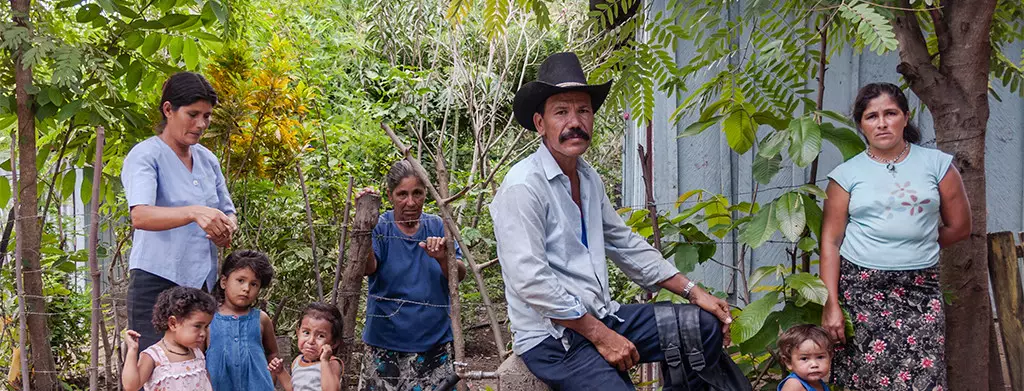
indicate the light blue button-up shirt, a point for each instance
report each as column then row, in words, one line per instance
column 154, row 175
column 549, row 273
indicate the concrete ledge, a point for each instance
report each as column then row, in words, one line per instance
column 514, row 376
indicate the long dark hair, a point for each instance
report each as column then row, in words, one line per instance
column 240, row 259
column 871, row 91
column 183, row 89
column 330, row 313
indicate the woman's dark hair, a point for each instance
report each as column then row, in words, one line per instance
column 240, row 259
column 183, row 89
column 871, row 91
column 400, row 170
column 330, row 313
column 796, row 335
column 180, row 302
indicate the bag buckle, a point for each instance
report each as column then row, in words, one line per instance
column 696, row 360
column 673, row 356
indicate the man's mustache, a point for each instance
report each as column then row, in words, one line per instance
column 573, row 133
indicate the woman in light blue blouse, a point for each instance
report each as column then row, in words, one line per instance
column 888, row 211
column 179, row 203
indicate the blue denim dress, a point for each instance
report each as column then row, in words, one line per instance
column 236, row 359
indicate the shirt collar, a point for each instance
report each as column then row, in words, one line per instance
column 551, row 168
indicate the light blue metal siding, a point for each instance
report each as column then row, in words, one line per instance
column 706, row 162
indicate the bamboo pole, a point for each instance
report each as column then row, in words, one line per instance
column 367, row 211
column 342, row 240
column 94, row 268
column 19, row 282
column 312, row 232
column 451, row 227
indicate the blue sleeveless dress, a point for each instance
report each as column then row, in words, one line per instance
column 236, row 359
column 807, row 386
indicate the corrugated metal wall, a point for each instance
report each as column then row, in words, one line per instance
column 706, row 162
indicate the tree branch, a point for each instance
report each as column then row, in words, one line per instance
column 916, row 65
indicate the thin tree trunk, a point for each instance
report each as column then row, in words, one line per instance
column 27, row 225
column 312, row 232
column 455, row 312
column 94, row 266
column 367, row 211
column 18, row 277
column 956, row 93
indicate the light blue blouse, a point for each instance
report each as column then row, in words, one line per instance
column 154, row 175
column 894, row 216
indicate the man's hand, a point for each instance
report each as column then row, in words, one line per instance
column 617, row 350
column 435, row 247
column 717, row 307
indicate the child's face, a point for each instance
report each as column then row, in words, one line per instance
column 314, row 333
column 191, row 330
column 810, row 361
column 241, row 287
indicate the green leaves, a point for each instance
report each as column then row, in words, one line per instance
column 789, row 213
column 809, row 287
column 457, row 10
column 740, row 129
column 764, row 169
column 846, row 140
column 190, row 53
column 873, row 30
column 760, row 228
column 804, row 141
column 753, row 317
column 87, row 13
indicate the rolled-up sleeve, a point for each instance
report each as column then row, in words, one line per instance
column 138, row 176
column 519, row 229
column 641, row 262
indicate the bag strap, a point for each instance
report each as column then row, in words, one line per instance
column 693, row 349
column 668, row 335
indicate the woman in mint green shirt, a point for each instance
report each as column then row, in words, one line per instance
column 889, row 210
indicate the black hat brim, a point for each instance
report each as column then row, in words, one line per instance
column 534, row 93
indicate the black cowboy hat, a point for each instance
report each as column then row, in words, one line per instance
column 560, row 72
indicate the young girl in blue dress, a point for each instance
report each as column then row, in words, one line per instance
column 241, row 336
column 807, row 351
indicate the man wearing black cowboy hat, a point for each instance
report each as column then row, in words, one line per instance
column 554, row 227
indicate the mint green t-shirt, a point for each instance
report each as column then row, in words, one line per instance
column 894, row 217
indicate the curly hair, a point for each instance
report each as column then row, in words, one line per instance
column 330, row 313
column 256, row 261
column 796, row 335
column 180, row 302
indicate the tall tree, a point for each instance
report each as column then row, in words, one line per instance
column 28, row 225
column 953, row 82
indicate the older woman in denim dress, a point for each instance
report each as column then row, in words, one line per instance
column 179, row 203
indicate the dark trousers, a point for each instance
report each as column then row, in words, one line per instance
column 143, row 289
column 583, row 368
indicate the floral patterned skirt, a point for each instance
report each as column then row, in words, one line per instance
column 899, row 330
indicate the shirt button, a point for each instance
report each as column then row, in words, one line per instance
column 236, row 339
column 195, row 182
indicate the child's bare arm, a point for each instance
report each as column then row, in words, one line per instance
column 137, row 370
column 268, row 337
column 279, row 374
column 331, row 369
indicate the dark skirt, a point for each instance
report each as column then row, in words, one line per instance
column 899, row 330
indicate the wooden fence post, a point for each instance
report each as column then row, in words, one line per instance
column 1003, row 256
column 367, row 212
column 94, row 266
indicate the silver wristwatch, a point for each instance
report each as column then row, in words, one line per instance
column 686, row 290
